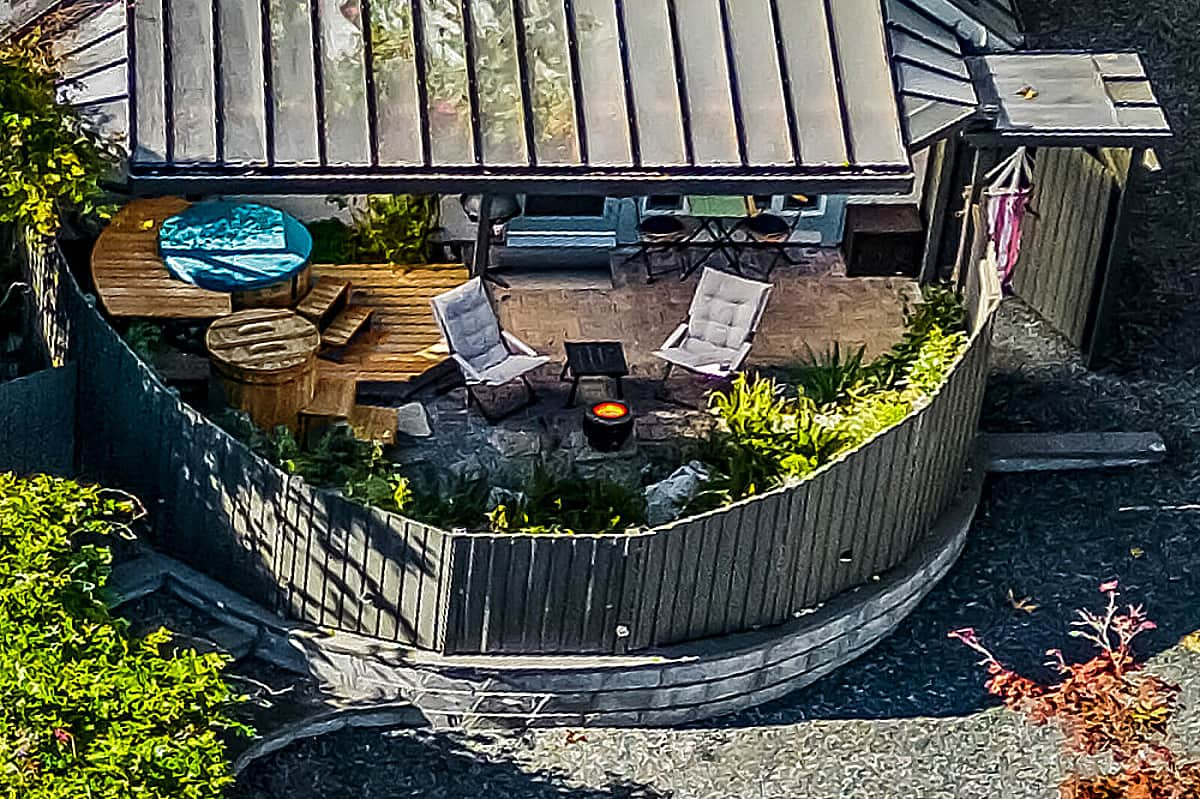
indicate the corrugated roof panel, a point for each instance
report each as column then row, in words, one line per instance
column 709, row 95
column 808, row 50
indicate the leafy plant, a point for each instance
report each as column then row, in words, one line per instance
column 763, row 439
column 940, row 311
column 145, row 339
column 50, row 163
column 390, row 228
column 570, row 504
column 462, row 504
column 1106, row 705
column 338, row 460
column 829, row 376
column 85, row 710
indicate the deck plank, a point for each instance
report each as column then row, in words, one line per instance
column 403, row 341
column 130, row 277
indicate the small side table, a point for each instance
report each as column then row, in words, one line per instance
column 594, row 359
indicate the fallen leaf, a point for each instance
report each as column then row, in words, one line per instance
column 147, row 224
column 1191, row 642
column 1137, row 552
column 1025, row 603
column 1027, row 93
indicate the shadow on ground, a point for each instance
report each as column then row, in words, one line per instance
column 368, row 765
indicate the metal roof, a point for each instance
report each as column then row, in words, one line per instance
column 605, row 96
column 936, row 92
column 1069, row 99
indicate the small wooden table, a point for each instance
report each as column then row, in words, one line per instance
column 594, row 359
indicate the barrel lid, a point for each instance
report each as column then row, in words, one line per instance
column 262, row 340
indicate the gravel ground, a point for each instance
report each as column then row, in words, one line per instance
column 910, row 718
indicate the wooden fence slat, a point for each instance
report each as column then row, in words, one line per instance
column 668, row 589
column 704, row 597
column 646, row 619
column 777, row 556
column 690, row 536
column 800, row 547
column 594, row 633
column 516, row 592
column 725, row 575
column 744, row 524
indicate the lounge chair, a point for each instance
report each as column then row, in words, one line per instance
column 487, row 355
column 723, row 318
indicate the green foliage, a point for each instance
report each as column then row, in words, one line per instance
column 390, row 229
column 940, row 310
column 333, row 242
column 48, row 162
column 570, row 504
column 86, row 711
column 764, row 438
column 338, row 460
column 145, row 339
column 463, row 504
column 827, row 377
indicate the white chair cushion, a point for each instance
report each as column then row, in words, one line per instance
column 726, row 309
column 510, row 369
column 470, row 325
column 700, row 356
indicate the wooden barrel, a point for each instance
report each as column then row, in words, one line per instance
column 284, row 294
column 266, row 361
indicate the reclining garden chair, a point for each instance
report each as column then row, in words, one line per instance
column 487, row 355
column 723, row 318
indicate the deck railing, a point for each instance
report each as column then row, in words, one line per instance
column 317, row 557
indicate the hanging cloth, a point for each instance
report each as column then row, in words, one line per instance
column 1007, row 201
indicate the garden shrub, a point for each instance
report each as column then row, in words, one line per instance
column 827, row 377
column 338, row 460
column 766, row 436
column 391, row 228
column 1105, row 706
column 49, row 163
column 86, row 710
column 551, row 503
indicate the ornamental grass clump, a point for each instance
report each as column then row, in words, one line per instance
column 86, row 710
column 1106, row 706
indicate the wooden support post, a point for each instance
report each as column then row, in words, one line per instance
column 939, row 210
column 481, row 258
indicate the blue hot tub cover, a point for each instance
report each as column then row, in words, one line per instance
column 223, row 246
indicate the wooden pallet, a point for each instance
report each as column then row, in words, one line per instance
column 130, row 277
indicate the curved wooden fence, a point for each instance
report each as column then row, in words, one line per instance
column 318, row 557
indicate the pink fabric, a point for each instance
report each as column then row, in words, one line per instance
column 1006, row 210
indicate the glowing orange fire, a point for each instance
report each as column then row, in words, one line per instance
column 610, row 410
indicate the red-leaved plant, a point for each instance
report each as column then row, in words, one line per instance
column 1106, row 705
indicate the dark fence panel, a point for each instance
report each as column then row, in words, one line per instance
column 37, row 423
column 317, row 557
column 310, row 554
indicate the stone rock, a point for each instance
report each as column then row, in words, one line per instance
column 515, row 443
column 666, row 499
column 414, row 420
column 500, row 495
column 468, row 468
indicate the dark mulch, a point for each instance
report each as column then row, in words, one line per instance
column 1052, row 538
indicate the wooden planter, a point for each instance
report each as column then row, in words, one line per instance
column 266, row 361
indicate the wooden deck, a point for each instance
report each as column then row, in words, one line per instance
column 130, row 277
column 402, row 341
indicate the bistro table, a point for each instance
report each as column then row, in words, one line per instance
column 594, row 359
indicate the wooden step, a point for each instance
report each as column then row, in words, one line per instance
column 333, row 399
column 347, row 323
column 324, row 301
